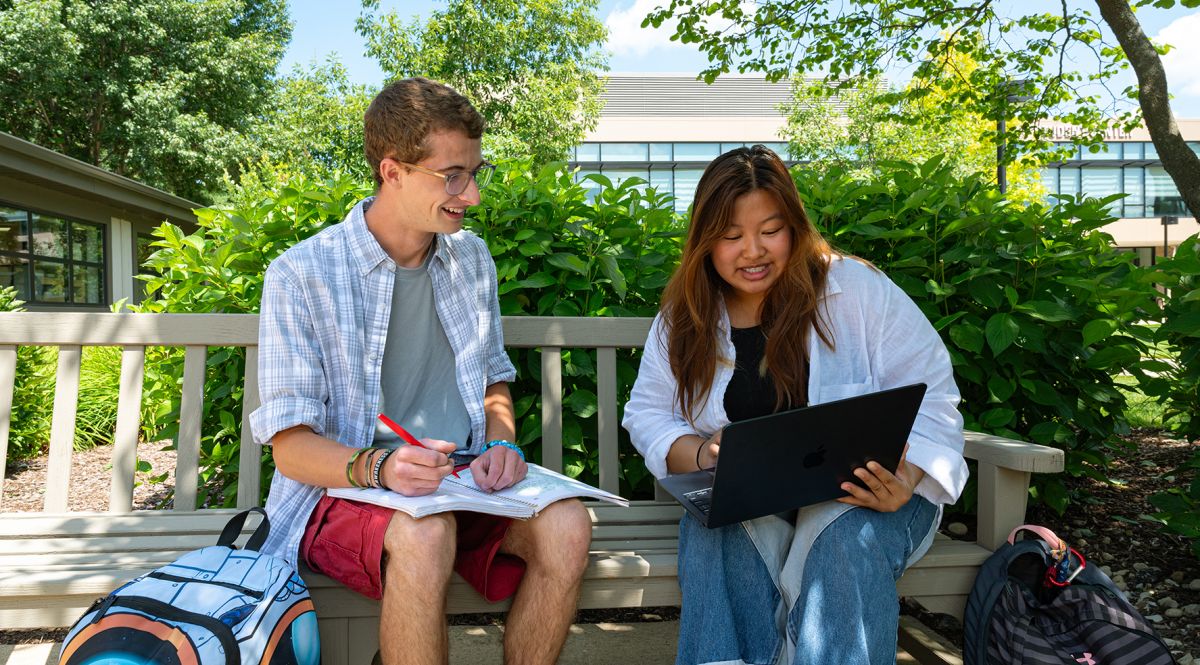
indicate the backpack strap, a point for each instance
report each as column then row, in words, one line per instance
column 233, row 529
column 1041, row 532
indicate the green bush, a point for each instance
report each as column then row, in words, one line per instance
column 1037, row 309
column 558, row 253
column 33, row 392
column 219, row 268
column 1177, row 384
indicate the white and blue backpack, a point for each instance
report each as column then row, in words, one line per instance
column 218, row 605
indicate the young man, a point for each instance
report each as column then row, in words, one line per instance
column 394, row 310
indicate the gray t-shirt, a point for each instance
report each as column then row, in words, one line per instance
column 418, row 378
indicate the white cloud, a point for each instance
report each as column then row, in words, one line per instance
column 627, row 37
column 1183, row 75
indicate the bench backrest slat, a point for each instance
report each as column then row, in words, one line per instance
column 606, row 418
column 191, row 408
column 125, row 439
column 250, row 455
column 62, row 427
column 8, row 382
column 552, row 408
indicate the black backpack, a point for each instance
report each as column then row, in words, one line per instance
column 1037, row 601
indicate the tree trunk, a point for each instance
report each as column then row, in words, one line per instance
column 1177, row 158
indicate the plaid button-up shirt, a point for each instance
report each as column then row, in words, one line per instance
column 325, row 310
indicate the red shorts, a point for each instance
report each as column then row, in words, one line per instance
column 344, row 540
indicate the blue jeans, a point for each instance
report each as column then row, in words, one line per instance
column 847, row 611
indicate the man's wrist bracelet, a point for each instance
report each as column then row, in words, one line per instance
column 377, row 468
column 350, row 467
column 507, row 444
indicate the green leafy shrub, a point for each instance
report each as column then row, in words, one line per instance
column 1177, row 384
column 33, row 392
column 219, row 268
column 558, row 253
column 1037, row 309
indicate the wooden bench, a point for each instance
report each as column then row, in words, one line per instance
column 53, row 564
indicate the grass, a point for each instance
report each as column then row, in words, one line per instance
column 1141, row 411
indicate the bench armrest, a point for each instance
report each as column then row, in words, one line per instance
column 1003, row 474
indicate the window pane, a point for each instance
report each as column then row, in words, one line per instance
column 49, row 236
column 87, row 242
column 1134, row 150
column 685, row 187
column 696, row 152
column 14, row 273
column 726, row 147
column 1101, row 182
column 1103, row 151
column 779, row 148
column 1050, row 181
column 14, row 230
column 1195, row 146
column 1151, row 151
column 87, row 285
column 588, row 152
column 49, row 282
column 1161, row 196
column 660, row 179
column 1068, row 183
column 660, row 152
column 623, row 152
column 1135, row 202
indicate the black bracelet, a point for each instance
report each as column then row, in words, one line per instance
column 377, row 470
column 702, row 444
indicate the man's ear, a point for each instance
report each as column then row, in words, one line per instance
column 390, row 173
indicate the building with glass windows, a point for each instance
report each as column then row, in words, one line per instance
column 73, row 235
column 665, row 128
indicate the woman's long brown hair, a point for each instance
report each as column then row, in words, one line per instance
column 692, row 301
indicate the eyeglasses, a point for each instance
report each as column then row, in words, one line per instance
column 456, row 183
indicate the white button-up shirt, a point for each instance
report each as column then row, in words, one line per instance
column 881, row 340
column 326, row 308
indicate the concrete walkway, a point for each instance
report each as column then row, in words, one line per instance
column 589, row 644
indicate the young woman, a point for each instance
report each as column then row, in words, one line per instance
column 763, row 315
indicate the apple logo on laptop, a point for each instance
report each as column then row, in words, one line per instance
column 815, row 458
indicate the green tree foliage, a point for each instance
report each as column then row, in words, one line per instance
column 162, row 91
column 866, row 126
column 314, row 124
column 1037, row 309
column 531, row 68
column 1041, row 55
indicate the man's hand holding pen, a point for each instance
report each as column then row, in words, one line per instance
column 415, row 470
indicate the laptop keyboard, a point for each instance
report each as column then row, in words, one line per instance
column 701, row 499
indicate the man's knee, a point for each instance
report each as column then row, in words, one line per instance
column 562, row 538
column 423, row 546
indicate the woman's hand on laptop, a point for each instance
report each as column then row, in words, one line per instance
column 710, row 448
column 886, row 492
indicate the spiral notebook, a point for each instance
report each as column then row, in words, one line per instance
column 540, row 488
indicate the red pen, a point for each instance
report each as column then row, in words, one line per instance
column 403, row 434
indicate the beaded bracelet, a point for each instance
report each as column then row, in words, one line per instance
column 507, row 444
column 377, row 468
column 350, row 467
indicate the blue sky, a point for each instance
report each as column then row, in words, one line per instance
column 323, row 27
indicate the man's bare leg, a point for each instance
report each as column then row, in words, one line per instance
column 554, row 546
column 419, row 558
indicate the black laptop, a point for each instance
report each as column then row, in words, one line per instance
column 796, row 458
